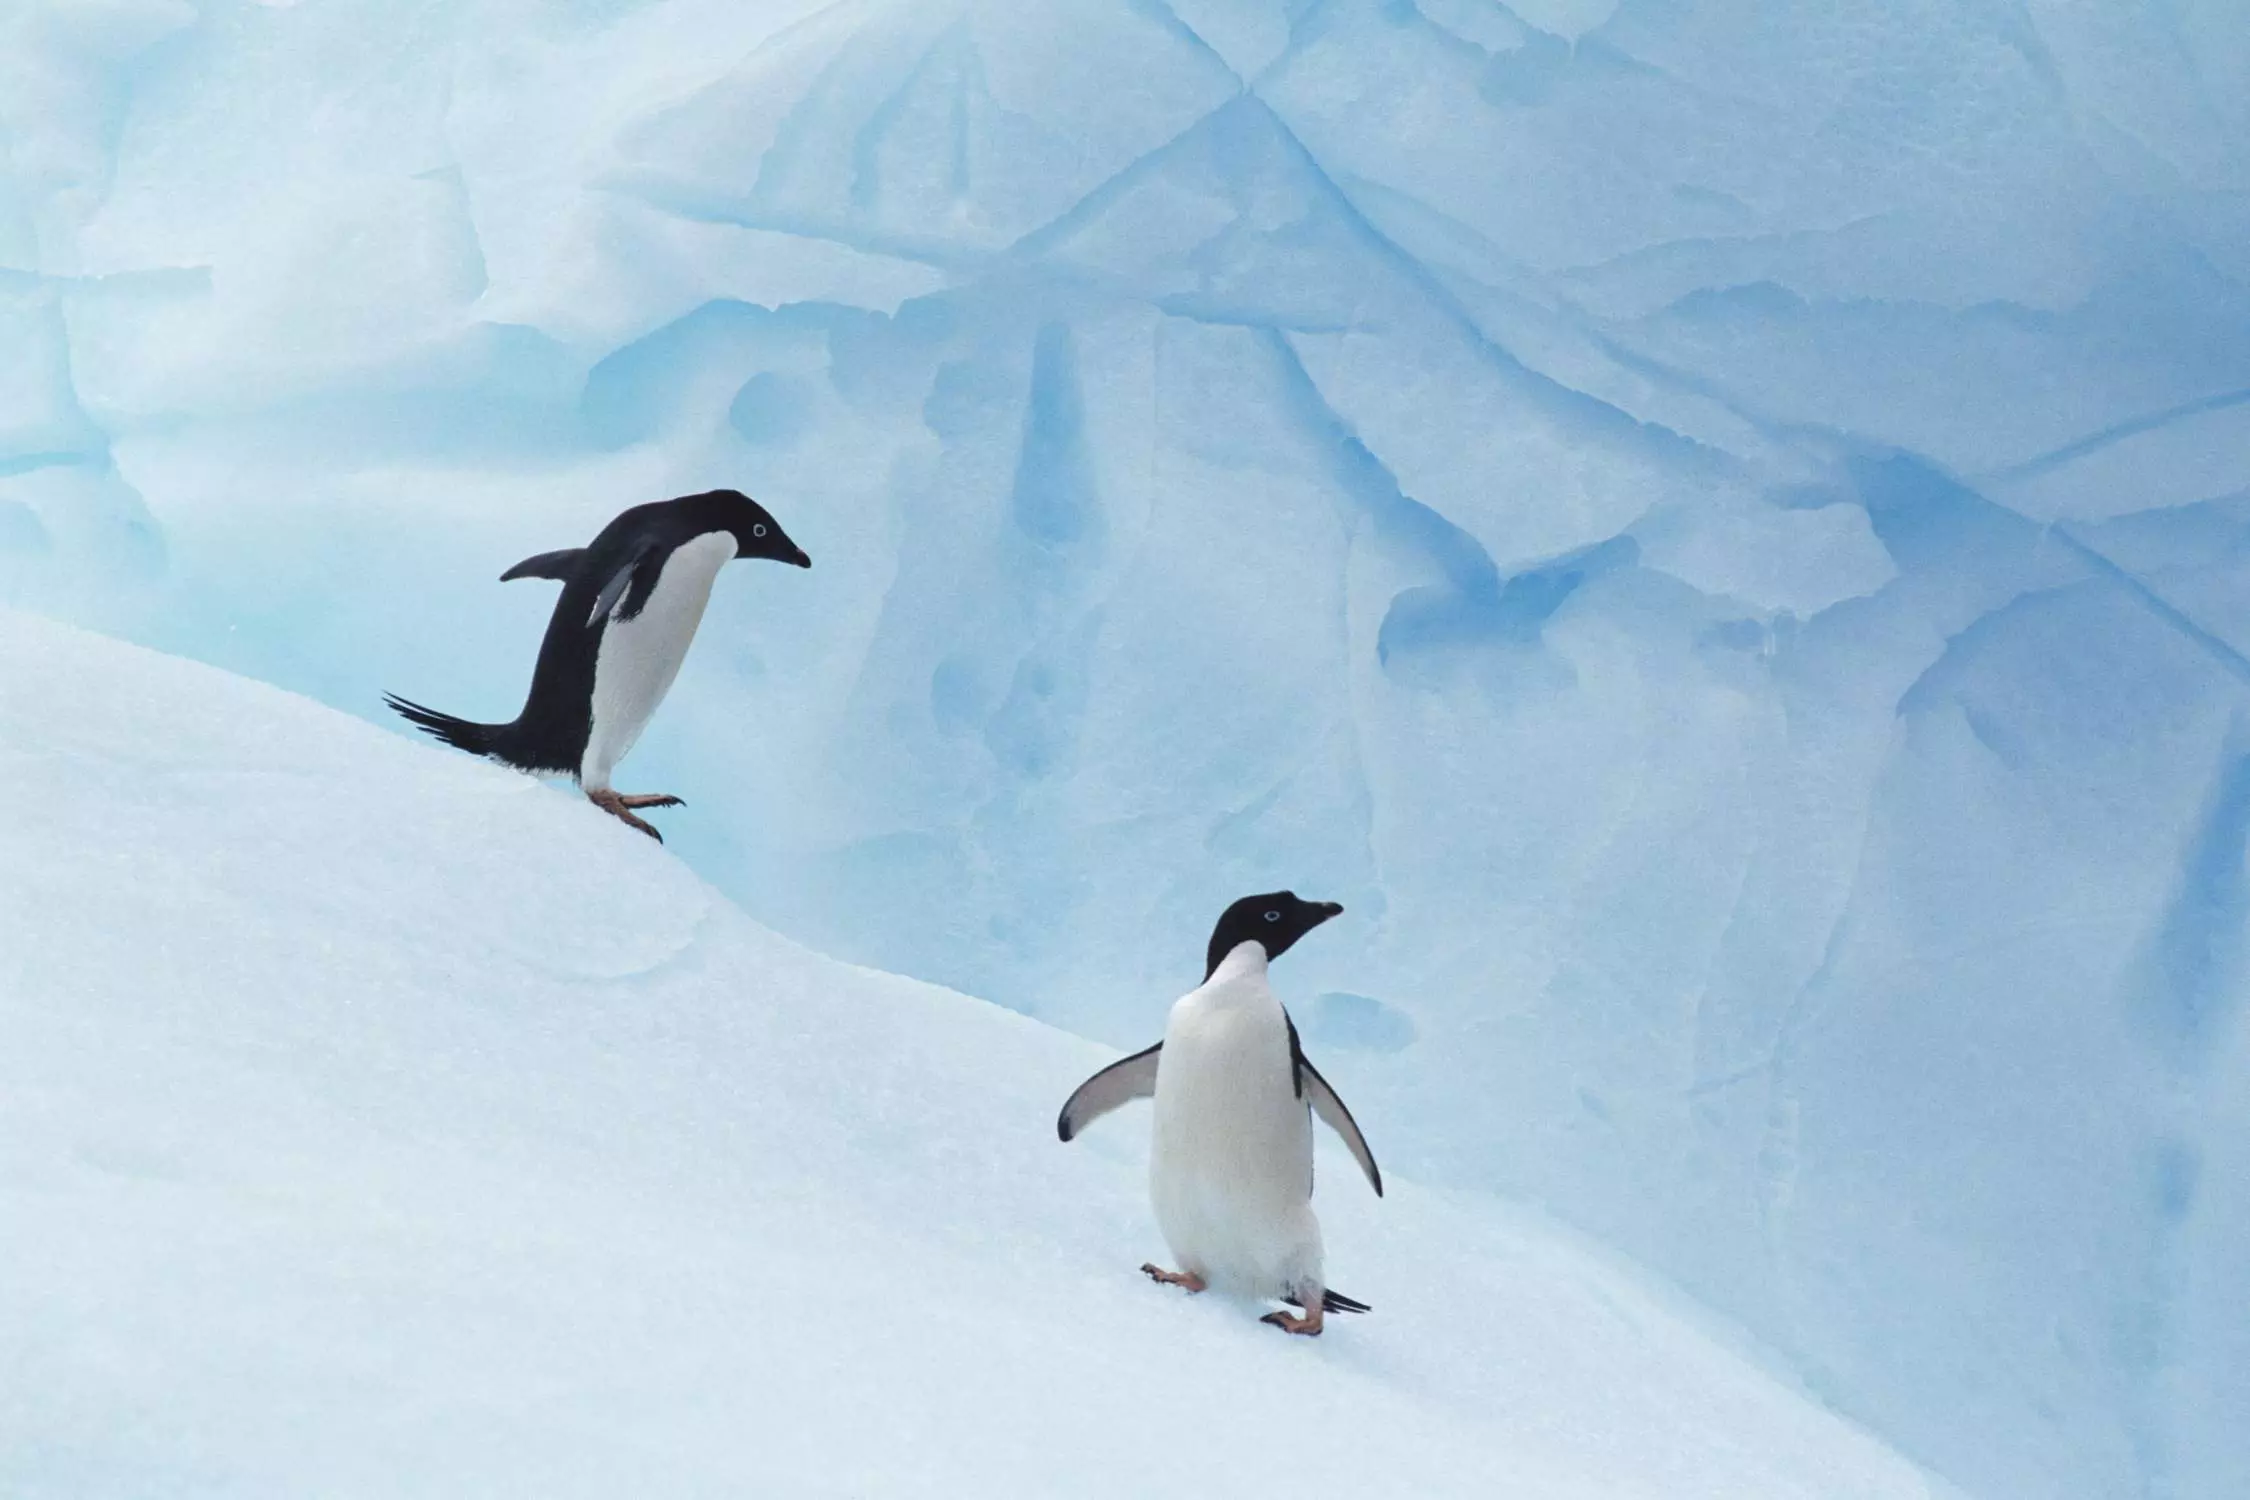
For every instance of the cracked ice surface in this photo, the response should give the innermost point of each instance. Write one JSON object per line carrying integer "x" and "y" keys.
{"x": 1723, "y": 544}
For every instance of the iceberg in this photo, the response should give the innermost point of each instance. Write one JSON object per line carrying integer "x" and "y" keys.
{"x": 1723, "y": 544}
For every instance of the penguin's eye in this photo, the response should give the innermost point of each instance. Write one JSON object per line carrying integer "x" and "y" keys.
{"x": 758, "y": 528}
{"x": 1273, "y": 916}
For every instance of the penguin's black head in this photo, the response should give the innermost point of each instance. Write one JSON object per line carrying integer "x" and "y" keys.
{"x": 756, "y": 532}
{"x": 1274, "y": 922}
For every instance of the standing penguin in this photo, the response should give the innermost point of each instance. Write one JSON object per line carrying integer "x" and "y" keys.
{"x": 630, "y": 603}
{"x": 1230, "y": 1168}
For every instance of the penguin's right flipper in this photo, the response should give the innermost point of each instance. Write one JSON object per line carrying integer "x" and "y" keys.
{"x": 1118, "y": 1084}
{"x": 561, "y": 566}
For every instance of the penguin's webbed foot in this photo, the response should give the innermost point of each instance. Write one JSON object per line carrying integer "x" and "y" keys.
{"x": 1308, "y": 1325}
{"x": 1186, "y": 1279}
{"x": 620, "y": 807}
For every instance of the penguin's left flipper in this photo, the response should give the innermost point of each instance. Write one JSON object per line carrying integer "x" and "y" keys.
{"x": 561, "y": 566}
{"x": 630, "y": 583}
{"x": 1315, "y": 1090}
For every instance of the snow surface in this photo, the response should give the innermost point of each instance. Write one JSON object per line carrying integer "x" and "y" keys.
{"x": 1718, "y": 530}
{"x": 376, "y": 1122}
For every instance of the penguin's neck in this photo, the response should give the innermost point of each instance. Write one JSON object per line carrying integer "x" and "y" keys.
{"x": 1244, "y": 965}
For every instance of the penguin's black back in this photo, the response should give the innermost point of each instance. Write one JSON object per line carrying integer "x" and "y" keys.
{"x": 550, "y": 733}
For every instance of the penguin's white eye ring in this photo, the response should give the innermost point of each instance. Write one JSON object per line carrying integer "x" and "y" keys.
{"x": 758, "y": 528}
{"x": 1273, "y": 916}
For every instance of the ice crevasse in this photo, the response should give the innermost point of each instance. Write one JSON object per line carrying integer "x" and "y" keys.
{"x": 1720, "y": 534}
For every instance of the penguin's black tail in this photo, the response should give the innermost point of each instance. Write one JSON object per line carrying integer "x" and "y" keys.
{"x": 1335, "y": 1302}
{"x": 461, "y": 734}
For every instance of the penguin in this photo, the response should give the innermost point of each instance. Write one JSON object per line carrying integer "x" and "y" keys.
{"x": 1230, "y": 1168}
{"x": 630, "y": 603}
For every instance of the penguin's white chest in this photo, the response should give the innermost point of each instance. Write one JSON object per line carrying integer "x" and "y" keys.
{"x": 640, "y": 657}
{"x": 1231, "y": 1158}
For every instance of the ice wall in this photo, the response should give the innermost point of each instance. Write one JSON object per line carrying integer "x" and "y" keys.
{"x": 1719, "y": 532}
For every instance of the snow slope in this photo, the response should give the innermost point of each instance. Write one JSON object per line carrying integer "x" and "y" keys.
{"x": 377, "y": 1122}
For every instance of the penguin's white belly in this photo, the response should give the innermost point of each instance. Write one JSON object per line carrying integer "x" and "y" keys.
{"x": 1231, "y": 1159}
{"x": 640, "y": 657}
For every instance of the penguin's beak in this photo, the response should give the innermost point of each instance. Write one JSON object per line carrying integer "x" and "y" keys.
{"x": 800, "y": 560}
{"x": 1328, "y": 909}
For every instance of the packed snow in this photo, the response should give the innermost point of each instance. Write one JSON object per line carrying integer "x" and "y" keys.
{"x": 1719, "y": 531}
{"x": 377, "y": 1122}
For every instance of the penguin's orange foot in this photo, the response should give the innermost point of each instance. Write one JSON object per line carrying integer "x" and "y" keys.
{"x": 1308, "y": 1325}
{"x": 659, "y": 799}
{"x": 1187, "y": 1279}
{"x": 621, "y": 808}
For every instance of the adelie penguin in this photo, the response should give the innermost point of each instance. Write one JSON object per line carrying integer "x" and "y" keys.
{"x": 1230, "y": 1168}
{"x": 630, "y": 603}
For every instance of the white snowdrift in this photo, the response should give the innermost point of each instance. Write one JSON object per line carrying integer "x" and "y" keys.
{"x": 377, "y": 1122}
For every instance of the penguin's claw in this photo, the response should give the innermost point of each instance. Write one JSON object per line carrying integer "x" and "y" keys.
{"x": 620, "y": 808}
{"x": 648, "y": 828}
{"x": 1186, "y": 1279}
{"x": 1309, "y": 1325}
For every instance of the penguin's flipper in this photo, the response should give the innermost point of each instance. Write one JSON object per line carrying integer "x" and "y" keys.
{"x": 1339, "y": 1119}
{"x": 1118, "y": 1084}
{"x": 639, "y": 570}
{"x": 561, "y": 566}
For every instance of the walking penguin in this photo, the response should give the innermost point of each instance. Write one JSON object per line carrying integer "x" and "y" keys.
{"x": 630, "y": 603}
{"x": 1230, "y": 1169}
